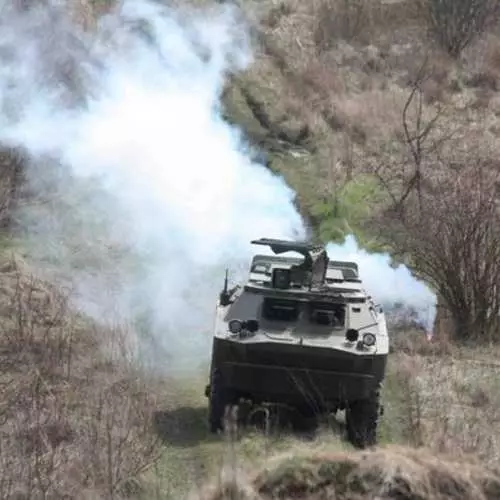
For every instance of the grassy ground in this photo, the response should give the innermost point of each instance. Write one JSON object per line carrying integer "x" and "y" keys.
{"x": 444, "y": 404}
{"x": 79, "y": 415}
{"x": 192, "y": 455}
{"x": 385, "y": 474}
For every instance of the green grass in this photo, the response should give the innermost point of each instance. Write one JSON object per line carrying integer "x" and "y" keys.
{"x": 185, "y": 468}
{"x": 347, "y": 210}
{"x": 439, "y": 401}
{"x": 192, "y": 456}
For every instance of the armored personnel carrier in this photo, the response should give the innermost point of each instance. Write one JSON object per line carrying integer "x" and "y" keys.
{"x": 300, "y": 332}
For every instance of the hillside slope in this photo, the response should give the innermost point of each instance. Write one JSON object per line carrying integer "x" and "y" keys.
{"x": 75, "y": 413}
{"x": 326, "y": 93}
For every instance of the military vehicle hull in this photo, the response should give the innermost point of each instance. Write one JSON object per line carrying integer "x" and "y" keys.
{"x": 322, "y": 378}
{"x": 304, "y": 334}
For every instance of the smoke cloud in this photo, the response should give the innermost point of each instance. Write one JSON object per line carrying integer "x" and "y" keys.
{"x": 145, "y": 193}
{"x": 392, "y": 287}
{"x": 142, "y": 193}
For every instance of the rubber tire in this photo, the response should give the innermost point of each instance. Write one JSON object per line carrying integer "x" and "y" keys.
{"x": 307, "y": 420}
{"x": 217, "y": 404}
{"x": 362, "y": 421}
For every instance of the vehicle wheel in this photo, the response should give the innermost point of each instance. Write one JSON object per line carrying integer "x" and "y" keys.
{"x": 361, "y": 422}
{"x": 307, "y": 420}
{"x": 217, "y": 403}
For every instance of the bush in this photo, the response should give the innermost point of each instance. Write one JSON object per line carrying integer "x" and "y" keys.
{"x": 341, "y": 20}
{"x": 71, "y": 421}
{"x": 455, "y": 24}
{"x": 452, "y": 234}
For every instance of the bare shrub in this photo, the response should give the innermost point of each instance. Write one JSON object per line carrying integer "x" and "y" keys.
{"x": 452, "y": 236}
{"x": 447, "y": 404}
{"x": 57, "y": 442}
{"x": 455, "y": 24}
{"x": 36, "y": 321}
{"x": 341, "y": 20}
{"x": 116, "y": 439}
{"x": 69, "y": 422}
{"x": 443, "y": 220}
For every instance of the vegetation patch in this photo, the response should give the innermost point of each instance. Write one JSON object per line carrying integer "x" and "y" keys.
{"x": 388, "y": 473}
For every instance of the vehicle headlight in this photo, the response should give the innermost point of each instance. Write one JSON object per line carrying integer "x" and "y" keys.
{"x": 352, "y": 335}
{"x": 235, "y": 326}
{"x": 369, "y": 339}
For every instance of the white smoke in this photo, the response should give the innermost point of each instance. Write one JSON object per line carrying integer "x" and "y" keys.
{"x": 144, "y": 193}
{"x": 389, "y": 286}
{"x": 151, "y": 193}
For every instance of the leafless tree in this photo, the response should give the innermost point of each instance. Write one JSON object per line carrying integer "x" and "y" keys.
{"x": 452, "y": 239}
{"x": 443, "y": 220}
{"x": 455, "y": 24}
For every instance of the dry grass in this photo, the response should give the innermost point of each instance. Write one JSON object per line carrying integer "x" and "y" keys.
{"x": 388, "y": 473}
{"x": 448, "y": 403}
{"x": 444, "y": 409}
{"x": 71, "y": 421}
{"x": 344, "y": 70}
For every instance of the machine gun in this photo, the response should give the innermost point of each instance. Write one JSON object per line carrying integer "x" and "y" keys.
{"x": 310, "y": 273}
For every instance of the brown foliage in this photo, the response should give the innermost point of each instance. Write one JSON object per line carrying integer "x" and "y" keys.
{"x": 382, "y": 474}
{"x": 455, "y": 24}
{"x": 443, "y": 219}
{"x": 452, "y": 235}
{"x": 67, "y": 425}
{"x": 341, "y": 19}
